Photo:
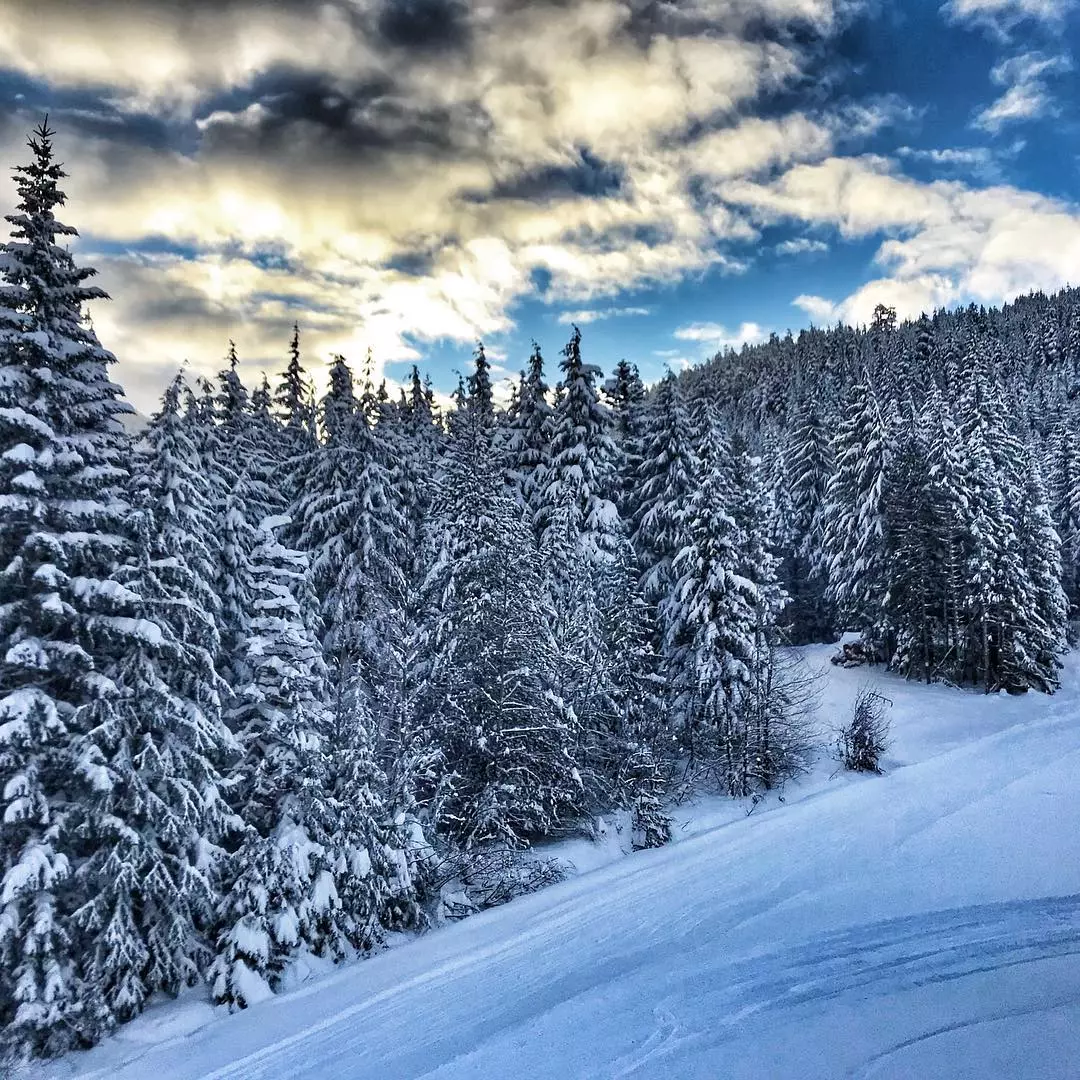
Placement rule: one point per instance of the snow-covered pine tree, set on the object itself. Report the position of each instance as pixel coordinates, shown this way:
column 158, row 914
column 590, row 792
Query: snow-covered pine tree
column 1040, row 553
column 250, row 442
column 294, row 400
column 150, row 883
column 665, row 476
column 949, row 482
column 855, row 518
column 508, row 771
column 1063, row 472
column 62, row 614
column 712, row 620
column 352, row 524
column 528, row 438
column 577, row 515
column 999, row 595
column 809, row 466
column 771, row 752
column 322, row 512
column 481, row 396
column 625, row 395
column 610, row 676
column 918, row 555
column 413, row 444
column 300, row 849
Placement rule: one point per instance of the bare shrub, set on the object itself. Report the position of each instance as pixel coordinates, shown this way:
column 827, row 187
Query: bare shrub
column 862, row 742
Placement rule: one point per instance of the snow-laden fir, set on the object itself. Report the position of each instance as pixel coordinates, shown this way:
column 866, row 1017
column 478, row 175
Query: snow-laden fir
column 282, row 677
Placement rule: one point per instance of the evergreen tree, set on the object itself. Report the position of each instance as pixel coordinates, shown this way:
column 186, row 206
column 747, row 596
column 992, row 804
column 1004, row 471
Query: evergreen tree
column 856, row 519
column 480, row 393
column 150, row 882
column 528, row 438
column 809, row 467
column 610, row 678
column 506, row 743
column 1040, row 552
column 293, row 399
column 63, row 617
column 283, row 892
column 577, row 514
column 666, row 476
column 1063, row 470
column 711, row 619
column 625, row 394
column 353, row 526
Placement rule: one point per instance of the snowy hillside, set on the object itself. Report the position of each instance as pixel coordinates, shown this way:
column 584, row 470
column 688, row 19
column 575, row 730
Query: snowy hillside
column 921, row 924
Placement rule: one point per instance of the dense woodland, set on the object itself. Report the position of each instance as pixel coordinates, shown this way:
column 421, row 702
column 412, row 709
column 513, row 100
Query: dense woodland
column 284, row 674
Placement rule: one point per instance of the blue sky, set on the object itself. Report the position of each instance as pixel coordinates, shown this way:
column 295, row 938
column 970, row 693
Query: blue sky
column 411, row 175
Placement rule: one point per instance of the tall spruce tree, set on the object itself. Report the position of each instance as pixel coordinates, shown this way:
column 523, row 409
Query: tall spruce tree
column 855, row 516
column 528, row 438
column 150, row 883
column 578, row 516
column 301, row 845
column 809, row 466
column 711, row 618
column 625, row 394
column 666, row 476
column 63, row 617
column 508, row 771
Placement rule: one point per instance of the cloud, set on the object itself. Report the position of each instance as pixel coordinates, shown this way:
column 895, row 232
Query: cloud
column 974, row 157
column 1002, row 15
column 801, row 245
column 820, row 310
column 1027, row 96
column 589, row 315
column 945, row 242
column 718, row 337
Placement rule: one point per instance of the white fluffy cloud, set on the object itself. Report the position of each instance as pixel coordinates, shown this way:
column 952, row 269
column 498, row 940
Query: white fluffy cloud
column 717, row 337
column 821, row 311
column 1027, row 95
column 1003, row 13
column 584, row 316
column 945, row 241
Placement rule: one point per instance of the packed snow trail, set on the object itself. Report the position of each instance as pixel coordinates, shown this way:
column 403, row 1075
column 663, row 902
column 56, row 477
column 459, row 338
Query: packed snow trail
column 922, row 923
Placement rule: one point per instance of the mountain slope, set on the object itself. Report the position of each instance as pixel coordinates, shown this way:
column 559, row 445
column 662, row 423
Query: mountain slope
column 922, row 923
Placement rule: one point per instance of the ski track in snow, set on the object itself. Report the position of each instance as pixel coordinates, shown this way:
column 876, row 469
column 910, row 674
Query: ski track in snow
column 925, row 923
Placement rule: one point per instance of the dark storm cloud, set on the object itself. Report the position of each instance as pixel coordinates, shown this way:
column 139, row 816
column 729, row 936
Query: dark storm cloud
column 25, row 100
column 588, row 176
column 412, row 263
column 298, row 113
column 425, row 25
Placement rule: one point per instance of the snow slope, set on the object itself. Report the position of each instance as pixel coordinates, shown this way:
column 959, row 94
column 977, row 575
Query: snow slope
column 921, row 924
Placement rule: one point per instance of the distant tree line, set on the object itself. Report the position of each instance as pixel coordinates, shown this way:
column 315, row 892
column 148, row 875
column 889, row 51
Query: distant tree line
column 924, row 483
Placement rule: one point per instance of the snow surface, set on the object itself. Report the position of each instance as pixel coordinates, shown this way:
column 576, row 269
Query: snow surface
column 925, row 923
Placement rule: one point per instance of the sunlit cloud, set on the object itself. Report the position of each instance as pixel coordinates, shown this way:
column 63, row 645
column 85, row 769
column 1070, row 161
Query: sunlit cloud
column 949, row 243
